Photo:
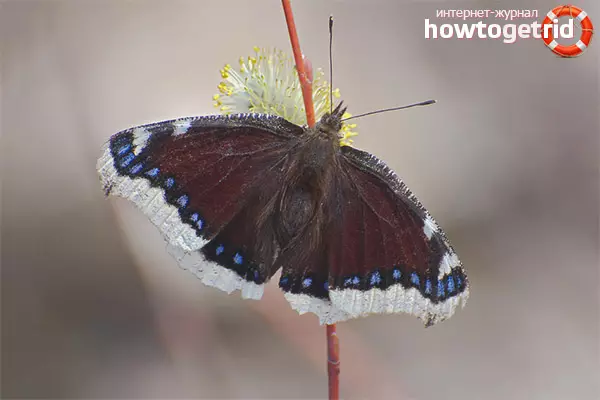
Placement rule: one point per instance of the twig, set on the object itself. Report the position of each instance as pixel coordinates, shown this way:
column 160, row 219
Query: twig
column 305, row 83
column 333, row 348
column 333, row 362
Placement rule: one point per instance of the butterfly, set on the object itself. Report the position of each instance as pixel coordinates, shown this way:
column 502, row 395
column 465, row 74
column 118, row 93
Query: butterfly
column 239, row 197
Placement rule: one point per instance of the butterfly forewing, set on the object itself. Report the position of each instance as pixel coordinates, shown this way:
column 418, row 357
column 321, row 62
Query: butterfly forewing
column 203, row 182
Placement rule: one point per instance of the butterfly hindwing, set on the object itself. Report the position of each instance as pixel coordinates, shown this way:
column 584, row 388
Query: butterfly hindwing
column 237, row 257
column 305, row 278
column 392, row 255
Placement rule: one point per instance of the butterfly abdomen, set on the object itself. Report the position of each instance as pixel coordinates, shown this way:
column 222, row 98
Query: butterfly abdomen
column 296, row 208
column 308, row 174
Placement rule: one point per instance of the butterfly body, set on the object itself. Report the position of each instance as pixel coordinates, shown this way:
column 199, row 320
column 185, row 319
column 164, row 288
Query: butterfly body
column 240, row 197
column 303, row 207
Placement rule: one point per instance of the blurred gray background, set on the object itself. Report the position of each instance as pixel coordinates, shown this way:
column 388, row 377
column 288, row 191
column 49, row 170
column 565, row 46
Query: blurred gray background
column 507, row 161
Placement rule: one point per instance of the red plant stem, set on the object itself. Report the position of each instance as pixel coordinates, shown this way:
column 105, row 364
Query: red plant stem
column 333, row 347
column 333, row 362
column 305, row 83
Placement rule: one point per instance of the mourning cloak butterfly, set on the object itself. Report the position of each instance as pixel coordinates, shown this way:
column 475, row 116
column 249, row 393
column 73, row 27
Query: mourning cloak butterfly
column 240, row 196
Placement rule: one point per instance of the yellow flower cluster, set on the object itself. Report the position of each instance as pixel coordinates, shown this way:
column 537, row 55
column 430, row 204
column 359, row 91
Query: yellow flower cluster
column 268, row 83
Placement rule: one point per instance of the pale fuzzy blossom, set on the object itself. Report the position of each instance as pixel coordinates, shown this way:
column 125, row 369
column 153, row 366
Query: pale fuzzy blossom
column 268, row 83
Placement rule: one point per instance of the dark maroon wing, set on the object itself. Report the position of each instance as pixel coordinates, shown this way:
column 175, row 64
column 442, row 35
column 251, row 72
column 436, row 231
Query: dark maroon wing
column 203, row 182
column 391, row 256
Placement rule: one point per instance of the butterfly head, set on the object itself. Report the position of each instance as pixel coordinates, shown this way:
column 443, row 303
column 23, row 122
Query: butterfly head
column 331, row 123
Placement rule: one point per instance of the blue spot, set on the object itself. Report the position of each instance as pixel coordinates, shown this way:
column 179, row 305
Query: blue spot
column 200, row 224
column 124, row 149
column 375, row 278
column 194, row 217
column 256, row 276
column 441, row 289
column 127, row 160
column 220, row 249
column 170, row 182
column 136, row 168
column 396, row 274
column 414, row 278
column 284, row 280
column 153, row 172
column 238, row 259
column 450, row 284
column 348, row 282
column 306, row 282
column 326, row 286
column 458, row 282
column 427, row 286
column 182, row 201
column 356, row 280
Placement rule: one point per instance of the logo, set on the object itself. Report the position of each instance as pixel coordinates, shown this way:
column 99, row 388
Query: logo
column 551, row 30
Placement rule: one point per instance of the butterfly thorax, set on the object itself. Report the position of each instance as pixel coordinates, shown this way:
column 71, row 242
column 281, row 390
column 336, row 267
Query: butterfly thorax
column 330, row 124
column 315, row 156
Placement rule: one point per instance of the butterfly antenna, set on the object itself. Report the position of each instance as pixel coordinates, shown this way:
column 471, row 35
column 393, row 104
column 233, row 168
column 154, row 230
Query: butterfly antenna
column 424, row 103
column 330, row 64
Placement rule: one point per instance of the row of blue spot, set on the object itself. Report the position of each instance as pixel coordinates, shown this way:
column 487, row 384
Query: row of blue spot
column 306, row 283
column 127, row 158
column 447, row 285
column 243, row 267
column 237, row 258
